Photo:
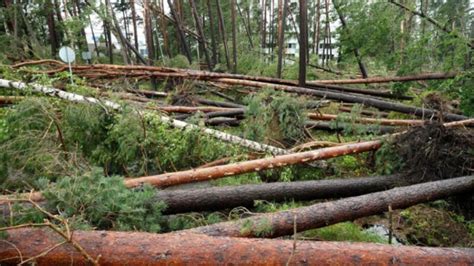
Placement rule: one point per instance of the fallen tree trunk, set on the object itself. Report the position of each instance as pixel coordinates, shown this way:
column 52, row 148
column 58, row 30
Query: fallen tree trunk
column 384, row 105
column 135, row 248
column 218, row 198
column 114, row 71
column 341, row 126
column 175, row 123
column 423, row 76
column 10, row 99
column 323, row 214
column 202, row 174
column 363, row 120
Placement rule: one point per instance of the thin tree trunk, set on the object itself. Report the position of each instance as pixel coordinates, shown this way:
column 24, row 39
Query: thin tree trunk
column 211, row 31
column 264, row 24
column 282, row 6
column 179, row 29
column 201, row 34
column 246, row 26
column 96, row 48
column 223, row 34
column 323, row 214
column 303, row 42
column 234, row 34
column 361, row 65
column 148, row 32
column 134, row 21
column 115, row 25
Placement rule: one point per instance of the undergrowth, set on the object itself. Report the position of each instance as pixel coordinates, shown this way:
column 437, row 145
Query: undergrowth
column 44, row 137
column 274, row 116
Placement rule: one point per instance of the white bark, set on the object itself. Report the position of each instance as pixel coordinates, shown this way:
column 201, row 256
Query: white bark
column 175, row 123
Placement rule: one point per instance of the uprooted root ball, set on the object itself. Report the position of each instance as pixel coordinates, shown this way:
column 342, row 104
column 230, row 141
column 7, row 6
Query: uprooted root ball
column 433, row 152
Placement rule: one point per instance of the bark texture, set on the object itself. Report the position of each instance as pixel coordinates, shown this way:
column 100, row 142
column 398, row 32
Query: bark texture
column 327, row 213
column 217, row 198
column 126, row 248
column 203, row 174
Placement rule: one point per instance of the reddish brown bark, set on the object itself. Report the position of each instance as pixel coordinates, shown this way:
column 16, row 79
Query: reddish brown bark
column 423, row 76
column 363, row 120
column 327, row 213
column 127, row 248
column 202, row 174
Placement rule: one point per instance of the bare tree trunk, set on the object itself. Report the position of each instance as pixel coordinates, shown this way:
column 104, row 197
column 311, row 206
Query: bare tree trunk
column 223, row 34
column 179, row 29
column 264, row 24
column 211, row 31
column 96, row 48
column 282, row 6
column 149, row 32
column 362, row 68
column 53, row 36
column 164, row 30
column 201, row 34
column 303, row 42
column 234, row 34
column 134, row 21
column 246, row 26
column 116, row 26
column 323, row 214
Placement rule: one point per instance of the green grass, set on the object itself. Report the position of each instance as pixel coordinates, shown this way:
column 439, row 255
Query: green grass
column 343, row 232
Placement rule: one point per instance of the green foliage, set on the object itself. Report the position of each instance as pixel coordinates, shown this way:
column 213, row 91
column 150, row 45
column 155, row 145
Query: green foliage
column 179, row 61
column 274, row 115
column 105, row 203
column 32, row 144
column 343, row 232
column 462, row 87
column 387, row 161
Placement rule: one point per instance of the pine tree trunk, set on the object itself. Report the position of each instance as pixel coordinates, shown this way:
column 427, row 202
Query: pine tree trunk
column 223, row 34
column 202, row 39
column 182, row 39
column 303, row 42
column 282, row 6
column 323, row 214
column 233, row 9
column 138, row 248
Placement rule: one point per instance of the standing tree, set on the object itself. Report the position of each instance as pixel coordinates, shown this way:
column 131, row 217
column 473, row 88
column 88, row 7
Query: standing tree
column 282, row 7
column 303, row 42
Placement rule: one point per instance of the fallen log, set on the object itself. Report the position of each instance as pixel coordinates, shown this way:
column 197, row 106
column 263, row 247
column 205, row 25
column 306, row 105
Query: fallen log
column 384, row 105
column 323, row 214
column 114, row 71
column 220, row 171
column 423, row 76
column 135, row 248
column 218, row 198
column 203, row 174
column 363, row 120
column 364, row 112
column 10, row 99
column 189, row 109
column 175, row 123
column 341, row 126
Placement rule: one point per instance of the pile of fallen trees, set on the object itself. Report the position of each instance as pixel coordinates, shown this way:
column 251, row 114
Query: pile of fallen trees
column 336, row 200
